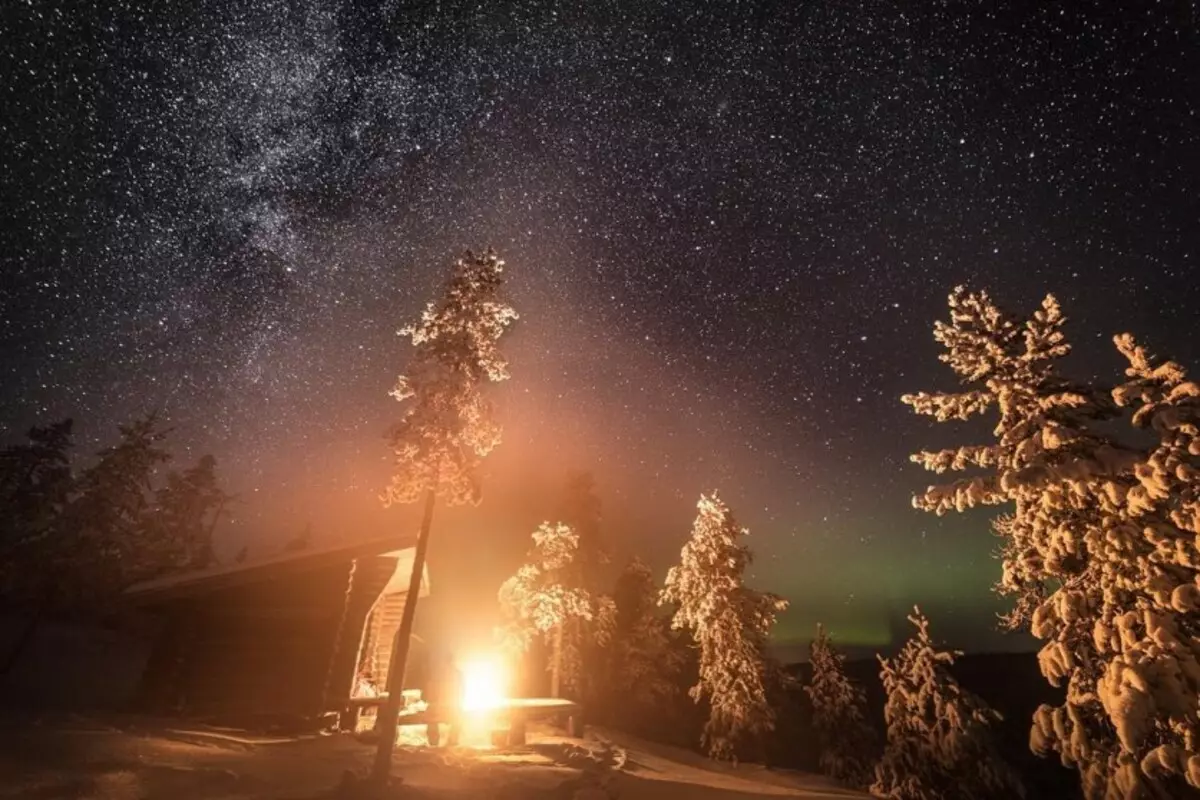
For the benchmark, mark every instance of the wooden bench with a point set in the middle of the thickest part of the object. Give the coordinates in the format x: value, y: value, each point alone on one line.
x: 515, y: 712
x: 352, y: 710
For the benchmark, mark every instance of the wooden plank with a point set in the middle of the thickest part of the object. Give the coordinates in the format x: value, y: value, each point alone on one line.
x: 279, y: 566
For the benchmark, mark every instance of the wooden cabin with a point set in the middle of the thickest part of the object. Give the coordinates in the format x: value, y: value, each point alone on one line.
x: 285, y: 640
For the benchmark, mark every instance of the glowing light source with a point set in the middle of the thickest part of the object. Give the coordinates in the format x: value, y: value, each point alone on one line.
x: 485, y: 684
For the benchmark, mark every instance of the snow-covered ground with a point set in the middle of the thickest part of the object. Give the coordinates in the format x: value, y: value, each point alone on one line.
x: 144, y: 760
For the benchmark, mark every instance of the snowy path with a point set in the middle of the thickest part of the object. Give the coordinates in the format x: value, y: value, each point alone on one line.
x: 143, y: 761
x: 662, y: 771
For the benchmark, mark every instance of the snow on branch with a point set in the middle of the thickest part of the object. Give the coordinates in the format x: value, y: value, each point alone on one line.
x: 535, y: 599
x: 1100, y: 551
x: 447, y: 426
x: 939, y: 736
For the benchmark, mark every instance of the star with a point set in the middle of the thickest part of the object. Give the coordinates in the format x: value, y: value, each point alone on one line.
x: 226, y: 213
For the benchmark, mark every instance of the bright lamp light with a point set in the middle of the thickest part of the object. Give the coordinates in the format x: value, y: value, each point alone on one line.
x: 484, y: 684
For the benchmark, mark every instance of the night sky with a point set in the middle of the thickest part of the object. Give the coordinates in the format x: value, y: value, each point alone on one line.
x: 729, y: 230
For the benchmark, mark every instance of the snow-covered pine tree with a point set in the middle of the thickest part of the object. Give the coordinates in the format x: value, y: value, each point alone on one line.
x: 446, y: 429
x: 448, y: 426
x: 939, y: 738
x: 536, y: 600
x: 1130, y: 719
x: 729, y: 622
x: 1044, y: 458
x: 1097, y: 546
x: 1045, y: 448
x: 598, y: 634
x: 839, y: 716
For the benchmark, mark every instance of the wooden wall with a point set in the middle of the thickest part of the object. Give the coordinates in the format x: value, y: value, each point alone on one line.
x: 283, y: 648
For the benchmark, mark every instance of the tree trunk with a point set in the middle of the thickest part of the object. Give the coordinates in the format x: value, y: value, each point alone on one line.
x: 556, y: 661
x: 385, y: 725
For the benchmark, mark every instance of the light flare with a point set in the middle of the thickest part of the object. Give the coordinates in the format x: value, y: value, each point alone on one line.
x: 485, y: 684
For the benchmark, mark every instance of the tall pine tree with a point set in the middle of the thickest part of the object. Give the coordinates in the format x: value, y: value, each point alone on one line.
x: 1045, y: 444
x: 447, y: 427
x: 730, y: 623
x: 1130, y: 720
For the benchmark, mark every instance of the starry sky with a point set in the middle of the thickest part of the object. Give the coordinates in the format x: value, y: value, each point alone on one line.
x: 729, y: 229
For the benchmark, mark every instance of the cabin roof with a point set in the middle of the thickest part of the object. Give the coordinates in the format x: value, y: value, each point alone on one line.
x: 222, y: 576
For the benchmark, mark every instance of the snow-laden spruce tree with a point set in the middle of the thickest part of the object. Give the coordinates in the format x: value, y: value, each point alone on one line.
x: 939, y: 736
x: 1097, y: 551
x: 1130, y: 720
x: 1044, y: 450
x: 447, y: 426
x: 538, y: 602
x: 729, y: 622
x: 839, y: 716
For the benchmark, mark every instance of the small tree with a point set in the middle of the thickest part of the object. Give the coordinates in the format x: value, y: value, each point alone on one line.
x: 536, y: 599
x: 184, y: 517
x: 839, y: 715
x: 729, y: 623
x: 446, y: 429
x: 36, y: 481
x: 939, y: 740
x: 103, y: 546
x: 76, y: 541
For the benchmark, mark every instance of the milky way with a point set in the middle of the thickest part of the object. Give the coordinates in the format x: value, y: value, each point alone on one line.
x: 729, y: 230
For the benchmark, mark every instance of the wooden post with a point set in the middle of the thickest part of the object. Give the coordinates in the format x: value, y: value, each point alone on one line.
x: 516, y: 731
x: 328, y: 696
x: 556, y: 663
x: 385, y: 724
